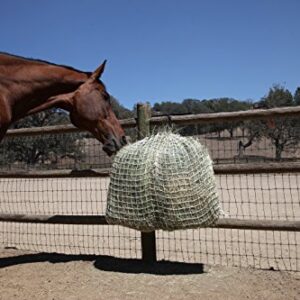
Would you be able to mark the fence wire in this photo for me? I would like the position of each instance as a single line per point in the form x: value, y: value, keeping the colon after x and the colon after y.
x: 231, y: 247
x: 71, y: 239
x: 251, y: 141
x: 52, y: 152
x: 253, y: 196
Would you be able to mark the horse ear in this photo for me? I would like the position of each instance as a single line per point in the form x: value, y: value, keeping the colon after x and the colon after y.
x: 98, y: 72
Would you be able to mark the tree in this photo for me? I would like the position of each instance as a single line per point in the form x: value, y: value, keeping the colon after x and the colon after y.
x: 285, y: 131
x: 31, y: 150
x: 120, y: 111
x: 227, y: 105
x: 278, y: 96
x: 172, y: 108
x: 297, y: 96
x: 194, y: 106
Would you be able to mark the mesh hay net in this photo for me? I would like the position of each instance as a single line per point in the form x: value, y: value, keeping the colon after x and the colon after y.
x: 165, y: 181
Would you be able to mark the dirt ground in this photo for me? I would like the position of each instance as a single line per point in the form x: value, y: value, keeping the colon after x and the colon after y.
x: 259, y: 196
x: 116, y: 273
x: 26, y: 275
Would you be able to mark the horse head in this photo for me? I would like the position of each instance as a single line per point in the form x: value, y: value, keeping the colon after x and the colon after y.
x: 90, y: 109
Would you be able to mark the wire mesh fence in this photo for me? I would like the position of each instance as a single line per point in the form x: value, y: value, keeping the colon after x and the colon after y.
x: 251, y: 141
x: 71, y: 239
x: 52, y: 151
x: 248, y: 142
x: 251, y: 196
x: 231, y: 247
x: 261, y: 196
x: 272, y: 196
x: 76, y: 196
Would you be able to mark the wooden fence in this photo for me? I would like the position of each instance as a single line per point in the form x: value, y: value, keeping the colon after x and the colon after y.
x: 143, y: 122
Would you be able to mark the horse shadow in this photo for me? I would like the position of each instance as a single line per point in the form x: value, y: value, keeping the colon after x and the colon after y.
x: 108, y: 263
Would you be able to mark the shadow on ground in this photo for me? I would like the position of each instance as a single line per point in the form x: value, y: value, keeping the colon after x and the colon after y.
x: 108, y: 263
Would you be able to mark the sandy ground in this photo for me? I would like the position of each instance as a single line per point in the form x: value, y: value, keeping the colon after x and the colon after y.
x: 25, y: 275
x: 261, y: 196
x: 117, y: 273
x: 253, y: 196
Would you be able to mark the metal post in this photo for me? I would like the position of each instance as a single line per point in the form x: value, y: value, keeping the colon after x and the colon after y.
x: 148, y: 238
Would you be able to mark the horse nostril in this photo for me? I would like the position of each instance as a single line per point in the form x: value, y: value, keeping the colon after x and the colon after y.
x: 123, y: 140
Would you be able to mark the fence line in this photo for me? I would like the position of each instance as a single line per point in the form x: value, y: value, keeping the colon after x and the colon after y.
x: 228, y: 223
x: 227, y: 116
x: 233, y: 169
x: 176, y: 119
x: 56, y: 173
x: 256, y: 232
x: 55, y: 129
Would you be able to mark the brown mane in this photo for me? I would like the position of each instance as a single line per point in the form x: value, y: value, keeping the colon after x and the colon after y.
x: 30, y: 60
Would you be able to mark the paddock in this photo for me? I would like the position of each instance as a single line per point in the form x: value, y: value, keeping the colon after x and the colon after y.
x: 60, y: 210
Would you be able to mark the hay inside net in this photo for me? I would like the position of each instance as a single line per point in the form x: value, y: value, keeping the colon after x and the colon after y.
x: 165, y: 181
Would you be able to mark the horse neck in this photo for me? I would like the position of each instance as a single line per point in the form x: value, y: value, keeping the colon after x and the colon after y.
x: 27, y: 86
x: 28, y: 79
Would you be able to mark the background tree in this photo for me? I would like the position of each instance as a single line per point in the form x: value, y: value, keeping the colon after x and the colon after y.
x: 31, y: 150
x: 227, y: 105
x: 297, y: 96
x: 285, y: 131
x: 194, y: 106
x: 120, y: 111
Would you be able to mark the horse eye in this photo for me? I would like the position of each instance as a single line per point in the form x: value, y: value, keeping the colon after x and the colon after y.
x: 106, y: 96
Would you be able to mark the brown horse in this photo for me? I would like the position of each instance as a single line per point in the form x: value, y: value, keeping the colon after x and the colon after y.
x: 29, y: 86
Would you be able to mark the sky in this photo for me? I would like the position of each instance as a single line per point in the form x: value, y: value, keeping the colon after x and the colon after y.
x: 163, y: 50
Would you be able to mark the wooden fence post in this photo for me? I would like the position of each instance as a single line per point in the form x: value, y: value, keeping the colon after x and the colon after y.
x: 148, y: 238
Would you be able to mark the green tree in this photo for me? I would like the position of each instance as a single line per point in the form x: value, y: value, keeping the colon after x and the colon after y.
x: 227, y: 105
x: 120, y: 111
x: 174, y: 108
x: 278, y: 96
x: 297, y: 96
x: 170, y: 108
x: 32, y: 150
x: 285, y: 132
x: 282, y: 132
x: 194, y: 106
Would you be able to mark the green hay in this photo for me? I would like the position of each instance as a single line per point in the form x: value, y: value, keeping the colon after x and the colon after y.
x: 165, y: 181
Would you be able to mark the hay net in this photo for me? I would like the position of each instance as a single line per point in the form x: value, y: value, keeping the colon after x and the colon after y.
x: 165, y: 181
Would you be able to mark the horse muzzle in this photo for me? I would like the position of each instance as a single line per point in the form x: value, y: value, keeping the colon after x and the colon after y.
x: 113, y: 145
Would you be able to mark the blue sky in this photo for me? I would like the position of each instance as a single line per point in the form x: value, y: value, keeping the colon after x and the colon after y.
x: 163, y: 50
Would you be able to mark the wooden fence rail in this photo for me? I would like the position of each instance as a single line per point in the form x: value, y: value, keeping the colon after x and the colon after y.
x: 176, y: 119
x: 57, y: 129
x: 253, y: 114
x: 228, y: 223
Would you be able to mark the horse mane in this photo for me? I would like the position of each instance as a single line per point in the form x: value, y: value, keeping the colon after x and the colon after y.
x: 28, y: 59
